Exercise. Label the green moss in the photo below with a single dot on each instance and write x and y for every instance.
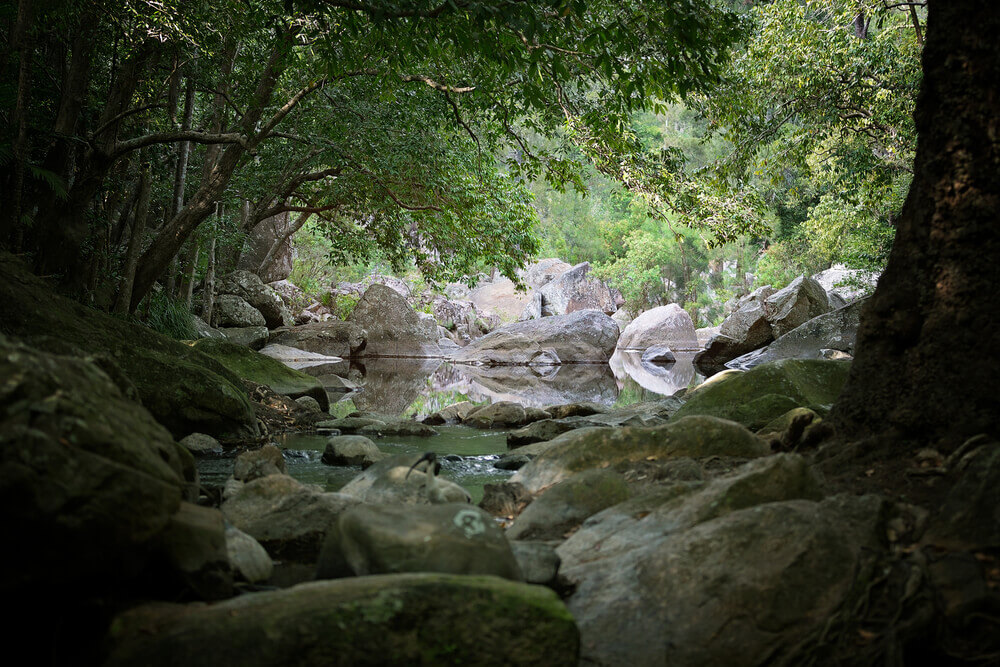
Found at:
(262, 369)
(768, 391)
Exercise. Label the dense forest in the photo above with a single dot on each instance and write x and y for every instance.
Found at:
(221, 218)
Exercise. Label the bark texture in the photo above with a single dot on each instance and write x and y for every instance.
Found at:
(928, 351)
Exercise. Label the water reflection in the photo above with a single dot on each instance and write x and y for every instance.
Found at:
(656, 379)
(543, 385)
(420, 387)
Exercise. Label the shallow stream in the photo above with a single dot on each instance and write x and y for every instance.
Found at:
(417, 388)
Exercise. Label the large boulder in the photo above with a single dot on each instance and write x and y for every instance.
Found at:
(847, 284)
(580, 337)
(88, 478)
(262, 369)
(427, 619)
(768, 391)
(796, 304)
(235, 311)
(617, 448)
(287, 517)
(573, 290)
(543, 271)
(732, 572)
(394, 328)
(453, 538)
(745, 330)
(563, 507)
(667, 326)
(264, 234)
(184, 390)
(502, 298)
(835, 330)
(333, 338)
(263, 298)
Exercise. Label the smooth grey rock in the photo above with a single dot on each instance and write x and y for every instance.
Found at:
(259, 296)
(203, 330)
(394, 328)
(668, 326)
(538, 561)
(333, 338)
(456, 412)
(454, 538)
(351, 450)
(733, 590)
(581, 336)
(835, 330)
(234, 311)
(503, 414)
(658, 355)
(199, 443)
(573, 290)
(193, 545)
(258, 463)
(248, 559)
(391, 482)
(564, 506)
(287, 517)
(253, 337)
(796, 304)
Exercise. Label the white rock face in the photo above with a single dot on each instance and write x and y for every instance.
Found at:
(668, 326)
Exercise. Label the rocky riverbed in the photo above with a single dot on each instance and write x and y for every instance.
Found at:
(691, 523)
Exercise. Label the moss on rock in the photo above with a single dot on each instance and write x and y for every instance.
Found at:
(768, 391)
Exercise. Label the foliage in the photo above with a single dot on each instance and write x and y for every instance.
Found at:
(818, 107)
(169, 317)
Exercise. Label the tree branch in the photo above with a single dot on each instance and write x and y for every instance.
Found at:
(195, 136)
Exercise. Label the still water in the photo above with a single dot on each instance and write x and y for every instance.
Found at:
(417, 388)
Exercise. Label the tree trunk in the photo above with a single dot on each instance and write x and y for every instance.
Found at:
(180, 178)
(189, 266)
(22, 43)
(63, 231)
(215, 179)
(208, 294)
(928, 350)
(124, 299)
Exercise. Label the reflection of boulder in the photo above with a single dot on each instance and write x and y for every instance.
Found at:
(663, 380)
(392, 385)
(537, 387)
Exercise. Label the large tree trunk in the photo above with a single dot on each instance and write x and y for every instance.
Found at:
(124, 299)
(928, 351)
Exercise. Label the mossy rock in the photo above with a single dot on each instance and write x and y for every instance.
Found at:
(184, 390)
(262, 369)
(590, 448)
(401, 619)
(88, 477)
(768, 391)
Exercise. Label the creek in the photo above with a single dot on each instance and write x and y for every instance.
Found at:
(416, 388)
